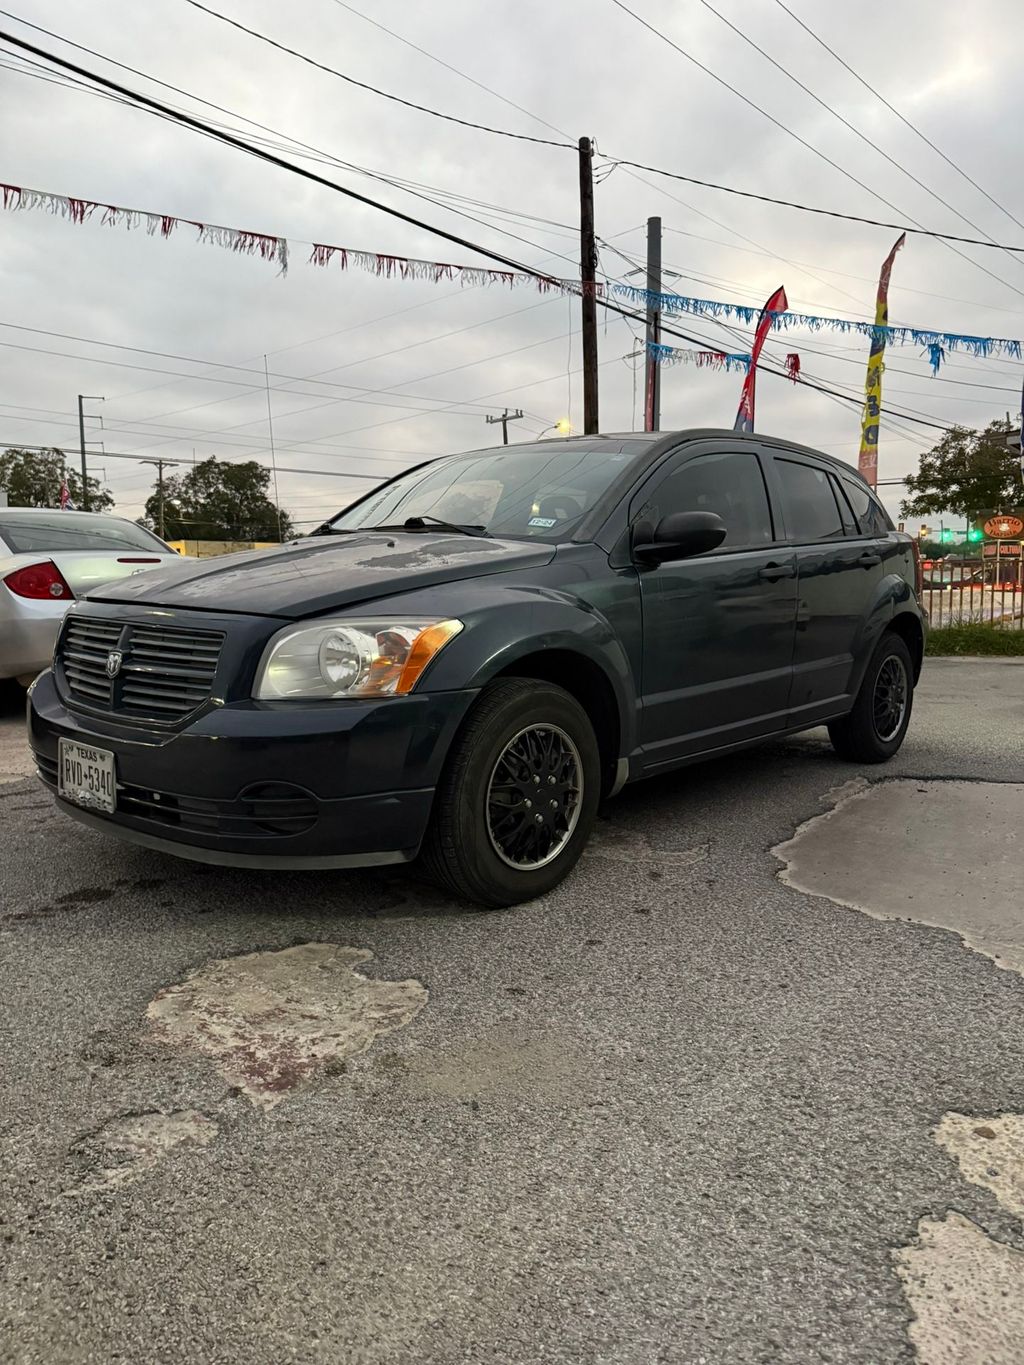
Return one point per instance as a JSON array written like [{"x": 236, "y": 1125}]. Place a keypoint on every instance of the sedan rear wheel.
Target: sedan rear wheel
[{"x": 519, "y": 795}]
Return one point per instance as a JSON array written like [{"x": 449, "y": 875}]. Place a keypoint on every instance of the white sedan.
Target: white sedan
[{"x": 47, "y": 559}]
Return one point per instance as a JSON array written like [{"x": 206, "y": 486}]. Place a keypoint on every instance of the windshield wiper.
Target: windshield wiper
[{"x": 433, "y": 524}]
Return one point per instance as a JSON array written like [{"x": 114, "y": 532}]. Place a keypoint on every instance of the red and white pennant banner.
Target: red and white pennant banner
[
  {"x": 271, "y": 248},
  {"x": 260, "y": 244}
]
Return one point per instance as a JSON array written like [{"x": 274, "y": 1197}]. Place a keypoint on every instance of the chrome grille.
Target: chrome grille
[
  {"x": 165, "y": 672},
  {"x": 168, "y": 672},
  {"x": 83, "y": 655}
]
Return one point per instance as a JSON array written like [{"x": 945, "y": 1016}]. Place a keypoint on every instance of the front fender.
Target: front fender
[{"x": 516, "y": 622}]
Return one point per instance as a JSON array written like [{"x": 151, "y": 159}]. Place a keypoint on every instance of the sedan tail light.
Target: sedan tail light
[{"x": 41, "y": 581}]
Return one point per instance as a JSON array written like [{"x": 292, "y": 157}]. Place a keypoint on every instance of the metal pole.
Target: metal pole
[
  {"x": 160, "y": 497},
  {"x": 81, "y": 444},
  {"x": 94, "y": 398},
  {"x": 588, "y": 289},
  {"x": 652, "y": 371},
  {"x": 273, "y": 452}
]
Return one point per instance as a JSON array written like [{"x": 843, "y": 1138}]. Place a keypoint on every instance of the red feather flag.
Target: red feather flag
[{"x": 745, "y": 414}]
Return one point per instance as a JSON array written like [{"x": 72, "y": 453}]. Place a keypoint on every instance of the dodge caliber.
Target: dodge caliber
[{"x": 461, "y": 666}]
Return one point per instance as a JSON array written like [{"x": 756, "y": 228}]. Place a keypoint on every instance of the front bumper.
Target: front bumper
[{"x": 273, "y": 785}]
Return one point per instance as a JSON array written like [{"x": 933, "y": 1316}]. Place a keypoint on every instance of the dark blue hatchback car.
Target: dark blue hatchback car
[{"x": 459, "y": 667}]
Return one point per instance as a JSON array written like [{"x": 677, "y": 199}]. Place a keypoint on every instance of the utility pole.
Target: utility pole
[
  {"x": 273, "y": 452},
  {"x": 504, "y": 419},
  {"x": 588, "y": 288},
  {"x": 160, "y": 462},
  {"x": 652, "y": 371},
  {"x": 93, "y": 398}
]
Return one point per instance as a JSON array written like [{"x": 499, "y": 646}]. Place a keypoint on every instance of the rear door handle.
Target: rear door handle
[
  {"x": 773, "y": 571},
  {"x": 869, "y": 560}
]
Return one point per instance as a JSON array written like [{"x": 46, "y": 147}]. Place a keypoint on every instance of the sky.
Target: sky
[{"x": 184, "y": 340}]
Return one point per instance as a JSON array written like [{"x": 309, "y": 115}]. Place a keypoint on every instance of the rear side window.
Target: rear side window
[
  {"x": 812, "y": 511},
  {"x": 845, "y": 514},
  {"x": 75, "y": 531},
  {"x": 730, "y": 484},
  {"x": 872, "y": 516}
]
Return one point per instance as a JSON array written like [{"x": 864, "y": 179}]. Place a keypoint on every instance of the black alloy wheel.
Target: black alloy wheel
[
  {"x": 518, "y": 796},
  {"x": 534, "y": 796},
  {"x": 877, "y": 724},
  {"x": 889, "y": 703}
]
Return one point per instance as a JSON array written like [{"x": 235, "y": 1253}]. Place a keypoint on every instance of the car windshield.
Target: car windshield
[
  {"x": 74, "y": 531},
  {"x": 533, "y": 491}
]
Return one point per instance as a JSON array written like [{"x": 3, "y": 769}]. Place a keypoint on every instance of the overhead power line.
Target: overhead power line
[
  {"x": 151, "y": 459},
  {"x": 812, "y": 208},
  {"x": 893, "y": 110},
  {"x": 173, "y": 115},
  {"x": 242, "y": 369},
  {"x": 187, "y": 120},
  {"x": 384, "y": 94},
  {"x": 801, "y": 85},
  {"x": 816, "y": 151}
]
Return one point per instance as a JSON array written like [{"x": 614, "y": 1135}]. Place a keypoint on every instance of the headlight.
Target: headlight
[{"x": 363, "y": 658}]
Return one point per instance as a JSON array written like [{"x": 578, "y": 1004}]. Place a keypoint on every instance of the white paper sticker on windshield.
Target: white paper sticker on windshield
[{"x": 546, "y": 522}]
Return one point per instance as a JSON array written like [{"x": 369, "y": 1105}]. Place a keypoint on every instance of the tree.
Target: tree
[
  {"x": 971, "y": 473},
  {"x": 33, "y": 478},
  {"x": 216, "y": 500}
]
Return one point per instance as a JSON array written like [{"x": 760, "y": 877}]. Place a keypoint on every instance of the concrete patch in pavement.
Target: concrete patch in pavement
[
  {"x": 966, "y": 1292},
  {"x": 940, "y": 853},
  {"x": 272, "y": 1020},
  {"x": 990, "y": 1153},
  {"x": 126, "y": 1148}
]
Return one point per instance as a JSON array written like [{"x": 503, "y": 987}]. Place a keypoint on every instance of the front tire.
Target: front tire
[
  {"x": 518, "y": 797},
  {"x": 877, "y": 725}
]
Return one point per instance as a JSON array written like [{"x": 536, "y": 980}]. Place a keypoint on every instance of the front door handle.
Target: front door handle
[
  {"x": 773, "y": 571},
  {"x": 869, "y": 560}
]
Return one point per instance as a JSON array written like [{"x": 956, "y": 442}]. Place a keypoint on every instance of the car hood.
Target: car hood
[{"x": 310, "y": 577}]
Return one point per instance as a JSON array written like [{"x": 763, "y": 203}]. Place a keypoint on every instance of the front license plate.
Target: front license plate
[{"x": 86, "y": 776}]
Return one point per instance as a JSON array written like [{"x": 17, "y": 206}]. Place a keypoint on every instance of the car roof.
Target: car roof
[
  {"x": 28, "y": 513},
  {"x": 638, "y": 441}
]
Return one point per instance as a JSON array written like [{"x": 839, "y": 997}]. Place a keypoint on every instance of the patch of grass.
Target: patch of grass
[{"x": 972, "y": 637}]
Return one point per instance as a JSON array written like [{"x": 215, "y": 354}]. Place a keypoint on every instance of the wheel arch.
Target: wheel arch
[
  {"x": 588, "y": 683},
  {"x": 908, "y": 627}
]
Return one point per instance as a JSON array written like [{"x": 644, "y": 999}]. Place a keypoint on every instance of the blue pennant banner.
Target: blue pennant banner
[{"x": 935, "y": 343}]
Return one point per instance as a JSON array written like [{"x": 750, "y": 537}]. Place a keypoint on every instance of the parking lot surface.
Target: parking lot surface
[{"x": 686, "y": 1109}]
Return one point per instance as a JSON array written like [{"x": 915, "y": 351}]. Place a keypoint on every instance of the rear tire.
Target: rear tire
[
  {"x": 518, "y": 796},
  {"x": 877, "y": 725}
]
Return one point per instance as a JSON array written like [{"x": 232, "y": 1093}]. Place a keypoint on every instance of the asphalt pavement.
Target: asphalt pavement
[{"x": 680, "y": 1111}]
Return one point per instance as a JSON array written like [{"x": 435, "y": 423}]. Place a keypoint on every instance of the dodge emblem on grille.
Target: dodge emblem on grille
[{"x": 114, "y": 659}]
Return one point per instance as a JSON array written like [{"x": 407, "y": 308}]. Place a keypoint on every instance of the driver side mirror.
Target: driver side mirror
[{"x": 681, "y": 535}]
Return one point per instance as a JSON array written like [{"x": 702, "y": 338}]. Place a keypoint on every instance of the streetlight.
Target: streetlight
[{"x": 563, "y": 426}]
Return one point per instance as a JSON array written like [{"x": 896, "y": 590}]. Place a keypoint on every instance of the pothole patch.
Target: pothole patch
[
  {"x": 126, "y": 1148},
  {"x": 943, "y": 854},
  {"x": 990, "y": 1153},
  {"x": 271, "y": 1021},
  {"x": 966, "y": 1292}
]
